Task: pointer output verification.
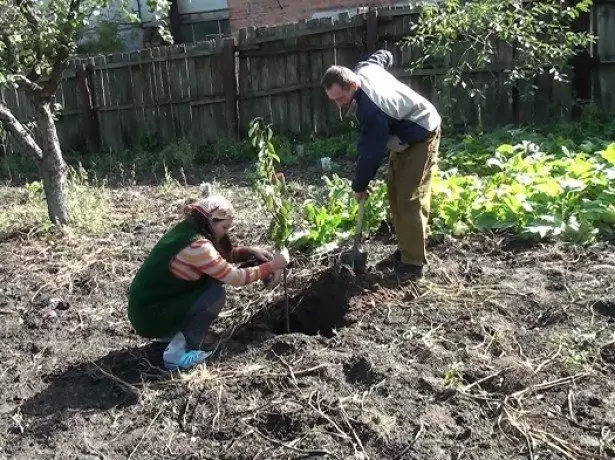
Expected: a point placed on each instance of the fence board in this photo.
(319, 110)
(278, 102)
(244, 81)
(202, 86)
(167, 93)
(291, 73)
(305, 78)
(332, 113)
(180, 91)
(218, 109)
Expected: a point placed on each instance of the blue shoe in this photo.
(188, 360)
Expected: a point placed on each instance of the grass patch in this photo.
(88, 205)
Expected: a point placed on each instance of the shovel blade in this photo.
(355, 260)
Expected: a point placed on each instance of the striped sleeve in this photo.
(240, 254)
(202, 257)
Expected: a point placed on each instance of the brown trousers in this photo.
(409, 190)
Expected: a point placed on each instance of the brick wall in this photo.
(245, 13)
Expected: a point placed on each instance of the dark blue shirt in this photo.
(376, 128)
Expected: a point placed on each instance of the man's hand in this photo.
(261, 254)
(360, 196)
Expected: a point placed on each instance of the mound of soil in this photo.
(503, 348)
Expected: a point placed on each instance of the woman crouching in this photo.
(180, 288)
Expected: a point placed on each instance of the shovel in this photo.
(356, 259)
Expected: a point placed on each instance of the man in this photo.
(395, 119)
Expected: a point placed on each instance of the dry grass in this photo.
(509, 321)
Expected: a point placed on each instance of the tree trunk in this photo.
(53, 169)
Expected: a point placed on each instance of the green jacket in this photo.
(158, 301)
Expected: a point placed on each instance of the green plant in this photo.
(229, 151)
(343, 145)
(510, 39)
(180, 154)
(88, 203)
(105, 39)
(169, 183)
(335, 218)
(452, 376)
(580, 349)
(523, 189)
(271, 188)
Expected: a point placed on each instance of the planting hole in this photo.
(320, 308)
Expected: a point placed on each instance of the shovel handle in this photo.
(359, 228)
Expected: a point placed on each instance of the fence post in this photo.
(372, 30)
(230, 86)
(84, 79)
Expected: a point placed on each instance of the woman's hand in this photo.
(261, 254)
(280, 259)
(273, 280)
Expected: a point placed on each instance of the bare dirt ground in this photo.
(505, 351)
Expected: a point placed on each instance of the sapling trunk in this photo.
(287, 311)
(271, 187)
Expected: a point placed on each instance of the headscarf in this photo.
(214, 207)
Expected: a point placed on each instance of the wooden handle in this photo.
(359, 227)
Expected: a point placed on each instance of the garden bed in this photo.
(504, 350)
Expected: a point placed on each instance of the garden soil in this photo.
(506, 350)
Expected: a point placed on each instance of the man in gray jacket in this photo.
(396, 120)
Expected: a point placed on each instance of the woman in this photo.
(180, 288)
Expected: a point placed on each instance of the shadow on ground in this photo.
(108, 382)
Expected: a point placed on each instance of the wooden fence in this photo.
(604, 53)
(211, 90)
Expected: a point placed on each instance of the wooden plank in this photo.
(25, 105)
(130, 127)
(276, 67)
(319, 111)
(14, 102)
(313, 28)
(87, 106)
(244, 78)
(165, 112)
(200, 87)
(209, 114)
(305, 76)
(371, 26)
(99, 96)
(195, 131)
(293, 99)
(174, 89)
(218, 111)
(606, 86)
(161, 57)
(230, 87)
(263, 79)
(138, 82)
(259, 51)
(112, 124)
(208, 100)
(184, 110)
(113, 131)
(332, 114)
(150, 97)
(605, 27)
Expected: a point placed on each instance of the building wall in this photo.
(256, 13)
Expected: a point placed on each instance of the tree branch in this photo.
(28, 84)
(61, 60)
(14, 126)
(9, 53)
(31, 17)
